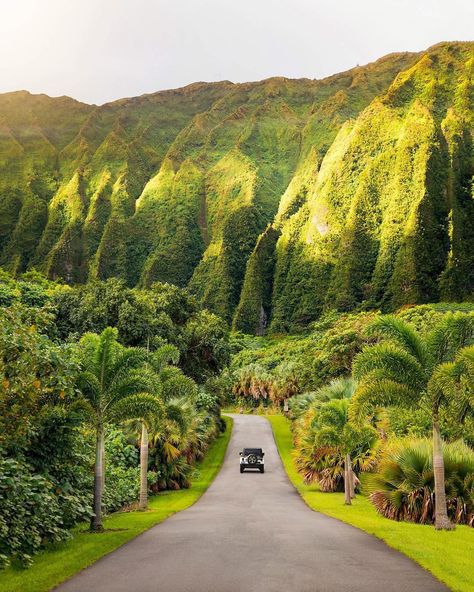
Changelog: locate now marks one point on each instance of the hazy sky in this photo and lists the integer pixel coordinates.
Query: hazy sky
(100, 50)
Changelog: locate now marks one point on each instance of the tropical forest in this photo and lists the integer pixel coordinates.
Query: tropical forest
(184, 271)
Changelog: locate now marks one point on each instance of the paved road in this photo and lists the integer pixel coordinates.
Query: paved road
(253, 533)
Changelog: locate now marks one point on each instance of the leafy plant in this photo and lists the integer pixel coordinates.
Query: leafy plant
(33, 512)
(328, 448)
(409, 369)
(403, 488)
(339, 388)
(116, 387)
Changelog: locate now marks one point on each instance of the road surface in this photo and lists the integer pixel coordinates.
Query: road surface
(253, 533)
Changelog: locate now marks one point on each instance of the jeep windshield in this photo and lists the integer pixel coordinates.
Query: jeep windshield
(257, 451)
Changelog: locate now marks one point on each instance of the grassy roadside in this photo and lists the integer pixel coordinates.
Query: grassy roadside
(260, 410)
(447, 555)
(60, 562)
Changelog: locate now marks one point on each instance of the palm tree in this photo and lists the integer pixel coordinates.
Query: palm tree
(406, 369)
(285, 382)
(339, 388)
(166, 431)
(170, 438)
(453, 382)
(116, 387)
(158, 360)
(253, 380)
(327, 443)
(402, 488)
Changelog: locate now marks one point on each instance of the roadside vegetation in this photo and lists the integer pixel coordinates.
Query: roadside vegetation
(111, 395)
(446, 554)
(380, 423)
(62, 560)
(104, 400)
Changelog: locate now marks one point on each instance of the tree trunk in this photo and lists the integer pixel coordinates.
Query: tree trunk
(143, 504)
(102, 452)
(96, 520)
(347, 480)
(442, 521)
(353, 484)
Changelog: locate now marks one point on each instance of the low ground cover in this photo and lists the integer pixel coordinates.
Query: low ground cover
(447, 555)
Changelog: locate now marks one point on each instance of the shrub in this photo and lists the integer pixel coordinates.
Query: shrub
(122, 487)
(301, 403)
(207, 402)
(119, 450)
(34, 512)
(403, 487)
(324, 435)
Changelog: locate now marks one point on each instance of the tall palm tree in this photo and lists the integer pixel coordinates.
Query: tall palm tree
(116, 387)
(406, 369)
(143, 499)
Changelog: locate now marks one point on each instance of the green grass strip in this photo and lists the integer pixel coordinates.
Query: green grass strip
(59, 562)
(449, 556)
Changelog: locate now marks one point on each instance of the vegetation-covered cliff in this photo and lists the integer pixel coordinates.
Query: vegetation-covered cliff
(271, 200)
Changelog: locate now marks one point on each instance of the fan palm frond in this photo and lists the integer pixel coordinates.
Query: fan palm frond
(126, 360)
(403, 487)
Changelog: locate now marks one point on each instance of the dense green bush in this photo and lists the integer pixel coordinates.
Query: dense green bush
(302, 363)
(34, 511)
(122, 487)
(147, 318)
(36, 374)
(47, 446)
(120, 450)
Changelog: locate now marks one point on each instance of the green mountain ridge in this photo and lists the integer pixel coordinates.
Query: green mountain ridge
(272, 201)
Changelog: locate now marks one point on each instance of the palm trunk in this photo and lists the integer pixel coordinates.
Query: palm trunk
(442, 522)
(102, 452)
(353, 484)
(347, 480)
(143, 504)
(96, 520)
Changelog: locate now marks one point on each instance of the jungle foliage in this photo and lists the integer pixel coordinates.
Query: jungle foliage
(77, 368)
(415, 377)
(273, 201)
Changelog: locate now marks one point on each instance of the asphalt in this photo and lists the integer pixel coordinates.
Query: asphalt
(253, 533)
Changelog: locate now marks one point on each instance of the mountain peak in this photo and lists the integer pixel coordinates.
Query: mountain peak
(287, 196)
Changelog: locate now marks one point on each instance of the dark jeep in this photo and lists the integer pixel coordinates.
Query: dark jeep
(252, 458)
